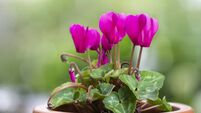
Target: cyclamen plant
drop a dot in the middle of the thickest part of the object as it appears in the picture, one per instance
(106, 85)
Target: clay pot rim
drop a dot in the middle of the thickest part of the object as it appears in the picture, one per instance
(182, 109)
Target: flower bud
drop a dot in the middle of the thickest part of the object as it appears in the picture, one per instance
(71, 72)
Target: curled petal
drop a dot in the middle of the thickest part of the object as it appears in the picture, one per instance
(105, 44)
(106, 23)
(84, 38)
(154, 26)
(132, 28)
(144, 25)
(112, 26)
(121, 25)
(149, 30)
(144, 21)
(79, 37)
(102, 58)
(94, 39)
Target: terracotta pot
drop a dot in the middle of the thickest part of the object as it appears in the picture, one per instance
(178, 108)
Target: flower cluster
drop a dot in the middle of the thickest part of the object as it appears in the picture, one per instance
(140, 29)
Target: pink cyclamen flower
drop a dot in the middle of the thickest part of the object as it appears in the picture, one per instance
(112, 26)
(102, 58)
(141, 29)
(84, 38)
(71, 72)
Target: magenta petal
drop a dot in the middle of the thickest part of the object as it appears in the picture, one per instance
(79, 37)
(94, 39)
(145, 26)
(106, 23)
(119, 31)
(152, 31)
(84, 38)
(112, 26)
(154, 26)
(71, 72)
(141, 29)
(105, 44)
(121, 24)
(149, 28)
(143, 21)
(102, 58)
(137, 76)
(132, 28)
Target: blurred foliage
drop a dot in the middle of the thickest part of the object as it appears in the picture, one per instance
(33, 34)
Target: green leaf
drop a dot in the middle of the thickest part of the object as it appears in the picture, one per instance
(100, 72)
(95, 94)
(63, 97)
(164, 105)
(86, 77)
(121, 102)
(148, 87)
(130, 81)
(116, 73)
(103, 90)
(112, 103)
(82, 95)
(107, 75)
(94, 63)
(127, 99)
(85, 73)
(65, 94)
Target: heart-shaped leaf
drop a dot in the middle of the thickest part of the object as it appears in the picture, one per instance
(121, 102)
(67, 93)
(85, 78)
(102, 90)
(100, 72)
(130, 81)
(148, 87)
(116, 73)
(164, 105)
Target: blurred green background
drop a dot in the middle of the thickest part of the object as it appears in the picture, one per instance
(33, 34)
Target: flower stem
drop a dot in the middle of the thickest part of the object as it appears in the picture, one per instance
(131, 60)
(149, 108)
(89, 98)
(110, 53)
(64, 59)
(139, 58)
(143, 105)
(118, 56)
(114, 57)
(100, 54)
(89, 59)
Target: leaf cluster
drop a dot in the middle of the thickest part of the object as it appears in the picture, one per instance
(105, 89)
